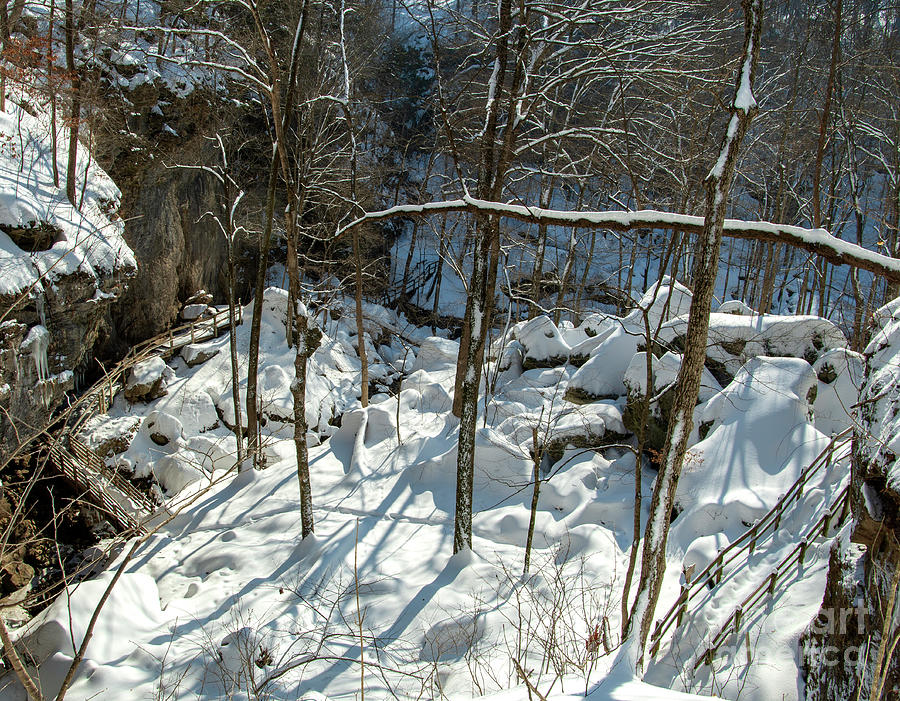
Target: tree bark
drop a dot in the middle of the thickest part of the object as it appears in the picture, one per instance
(253, 443)
(307, 341)
(706, 263)
(75, 114)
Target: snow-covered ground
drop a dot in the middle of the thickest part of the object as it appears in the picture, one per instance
(225, 600)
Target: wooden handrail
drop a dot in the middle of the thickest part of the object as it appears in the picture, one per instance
(78, 462)
(766, 588)
(748, 540)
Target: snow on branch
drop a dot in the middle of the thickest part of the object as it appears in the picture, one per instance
(817, 241)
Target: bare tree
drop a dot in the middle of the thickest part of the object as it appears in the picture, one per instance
(706, 267)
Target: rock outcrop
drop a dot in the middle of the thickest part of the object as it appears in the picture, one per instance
(54, 298)
(166, 204)
(851, 651)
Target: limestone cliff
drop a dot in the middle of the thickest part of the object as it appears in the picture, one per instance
(62, 266)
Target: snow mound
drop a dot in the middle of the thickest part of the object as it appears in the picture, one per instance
(662, 301)
(664, 371)
(147, 380)
(737, 307)
(840, 373)
(602, 376)
(760, 437)
(162, 428)
(543, 343)
(436, 353)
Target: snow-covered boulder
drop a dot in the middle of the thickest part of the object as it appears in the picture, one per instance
(176, 471)
(192, 312)
(162, 428)
(543, 343)
(701, 553)
(736, 307)
(840, 373)
(213, 454)
(197, 353)
(147, 380)
(274, 391)
(602, 376)
(663, 301)
(664, 373)
(734, 339)
(436, 354)
(108, 436)
(195, 410)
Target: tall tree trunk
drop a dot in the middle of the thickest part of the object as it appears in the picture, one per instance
(53, 137)
(706, 264)
(471, 379)
(75, 114)
(822, 267)
(360, 326)
(308, 339)
(438, 277)
(230, 203)
(253, 433)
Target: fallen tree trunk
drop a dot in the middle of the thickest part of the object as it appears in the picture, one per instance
(817, 241)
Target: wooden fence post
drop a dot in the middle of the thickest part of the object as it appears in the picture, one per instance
(845, 509)
(826, 524)
(682, 607)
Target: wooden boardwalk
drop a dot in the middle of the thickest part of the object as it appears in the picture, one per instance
(113, 493)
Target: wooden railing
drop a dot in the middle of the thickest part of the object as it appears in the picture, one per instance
(114, 494)
(99, 397)
(714, 573)
(425, 272)
(101, 485)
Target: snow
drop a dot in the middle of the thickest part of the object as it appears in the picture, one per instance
(734, 339)
(880, 395)
(227, 594)
(603, 374)
(840, 373)
(664, 372)
(88, 240)
(542, 340)
(147, 372)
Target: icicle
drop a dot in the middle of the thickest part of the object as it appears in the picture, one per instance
(40, 303)
(37, 342)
